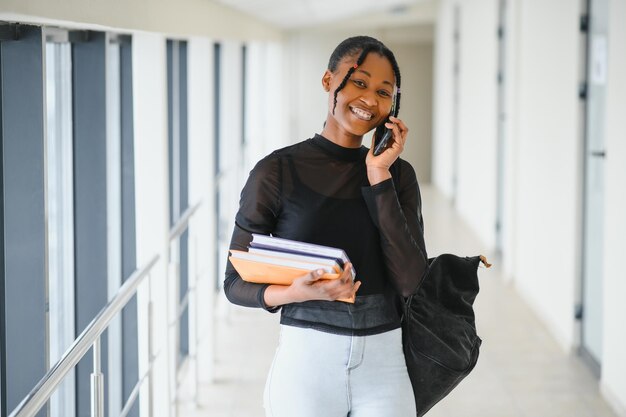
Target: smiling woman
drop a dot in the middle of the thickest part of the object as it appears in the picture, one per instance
(337, 358)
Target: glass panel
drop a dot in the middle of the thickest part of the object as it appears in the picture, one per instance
(60, 216)
(177, 146)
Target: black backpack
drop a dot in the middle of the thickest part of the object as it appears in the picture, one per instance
(438, 329)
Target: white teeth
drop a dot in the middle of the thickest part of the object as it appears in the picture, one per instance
(361, 114)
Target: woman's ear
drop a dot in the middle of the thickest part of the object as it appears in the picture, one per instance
(326, 79)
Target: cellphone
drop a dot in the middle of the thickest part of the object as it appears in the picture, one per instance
(381, 144)
(384, 134)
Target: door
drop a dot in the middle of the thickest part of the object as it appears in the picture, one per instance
(594, 157)
(456, 70)
(501, 124)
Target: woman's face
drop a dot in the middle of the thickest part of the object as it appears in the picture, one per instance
(365, 101)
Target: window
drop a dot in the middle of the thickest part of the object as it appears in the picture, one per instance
(23, 325)
(178, 179)
(122, 334)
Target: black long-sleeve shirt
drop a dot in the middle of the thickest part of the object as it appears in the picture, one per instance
(318, 192)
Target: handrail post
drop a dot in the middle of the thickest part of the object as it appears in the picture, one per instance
(193, 317)
(97, 382)
(150, 348)
(173, 344)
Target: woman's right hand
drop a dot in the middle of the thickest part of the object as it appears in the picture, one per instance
(313, 287)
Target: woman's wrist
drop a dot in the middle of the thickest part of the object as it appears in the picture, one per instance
(278, 295)
(377, 175)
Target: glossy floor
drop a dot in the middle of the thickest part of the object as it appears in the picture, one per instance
(521, 372)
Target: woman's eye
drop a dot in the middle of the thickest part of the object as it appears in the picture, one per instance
(384, 93)
(359, 83)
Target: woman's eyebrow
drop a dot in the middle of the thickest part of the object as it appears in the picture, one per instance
(370, 75)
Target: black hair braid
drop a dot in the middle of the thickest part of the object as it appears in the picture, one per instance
(359, 61)
(396, 70)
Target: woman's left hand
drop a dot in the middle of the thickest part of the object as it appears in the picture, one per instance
(378, 166)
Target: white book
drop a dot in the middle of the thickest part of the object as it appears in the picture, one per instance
(296, 257)
(280, 261)
(300, 248)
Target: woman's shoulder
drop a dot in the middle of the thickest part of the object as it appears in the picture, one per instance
(294, 148)
(274, 158)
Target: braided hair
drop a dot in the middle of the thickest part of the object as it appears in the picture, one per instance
(363, 45)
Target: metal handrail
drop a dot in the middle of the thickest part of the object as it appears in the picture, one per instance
(40, 394)
(174, 306)
(181, 224)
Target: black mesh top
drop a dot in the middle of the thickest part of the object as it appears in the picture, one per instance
(318, 192)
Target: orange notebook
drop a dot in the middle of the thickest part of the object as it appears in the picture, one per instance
(266, 273)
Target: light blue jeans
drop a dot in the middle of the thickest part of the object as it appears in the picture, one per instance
(320, 374)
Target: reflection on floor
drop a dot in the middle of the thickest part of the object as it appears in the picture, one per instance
(521, 372)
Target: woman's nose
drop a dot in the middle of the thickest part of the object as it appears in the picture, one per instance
(369, 98)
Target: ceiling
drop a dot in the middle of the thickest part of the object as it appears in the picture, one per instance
(296, 14)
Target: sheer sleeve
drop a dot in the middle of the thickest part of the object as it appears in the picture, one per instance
(259, 206)
(398, 217)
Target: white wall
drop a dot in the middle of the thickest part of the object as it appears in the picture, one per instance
(542, 206)
(511, 86)
(201, 189)
(614, 362)
(151, 199)
(475, 196)
(443, 100)
(307, 57)
(543, 196)
(416, 66)
(476, 193)
(266, 103)
(548, 187)
(231, 175)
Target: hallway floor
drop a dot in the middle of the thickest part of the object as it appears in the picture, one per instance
(521, 372)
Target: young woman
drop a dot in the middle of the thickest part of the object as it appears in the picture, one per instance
(338, 359)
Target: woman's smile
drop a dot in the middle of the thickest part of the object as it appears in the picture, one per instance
(361, 113)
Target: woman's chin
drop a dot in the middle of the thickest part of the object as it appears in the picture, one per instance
(359, 129)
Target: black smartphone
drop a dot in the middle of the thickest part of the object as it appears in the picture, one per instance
(380, 144)
(384, 134)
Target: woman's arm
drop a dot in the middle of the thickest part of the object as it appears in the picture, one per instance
(397, 213)
(259, 207)
(258, 212)
(309, 286)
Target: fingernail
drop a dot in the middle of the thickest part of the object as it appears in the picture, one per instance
(319, 272)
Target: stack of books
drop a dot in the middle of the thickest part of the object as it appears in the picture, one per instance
(273, 260)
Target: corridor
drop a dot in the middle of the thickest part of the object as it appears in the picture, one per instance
(522, 372)
(127, 136)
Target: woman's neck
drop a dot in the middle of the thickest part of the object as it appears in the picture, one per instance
(340, 136)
